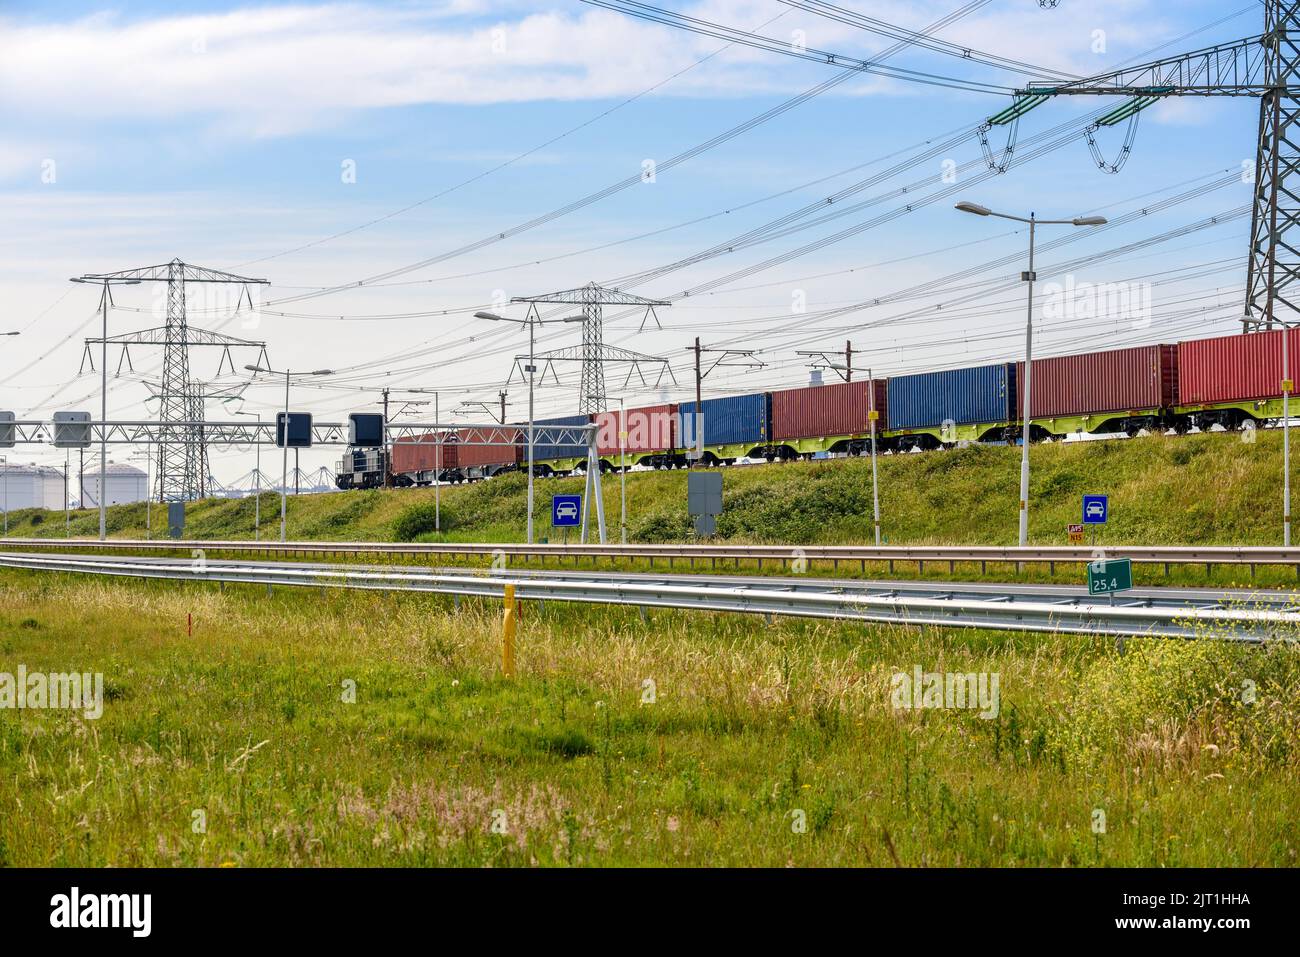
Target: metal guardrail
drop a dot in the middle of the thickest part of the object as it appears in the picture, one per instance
(1208, 555)
(897, 603)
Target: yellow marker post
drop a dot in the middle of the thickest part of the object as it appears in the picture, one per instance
(508, 634)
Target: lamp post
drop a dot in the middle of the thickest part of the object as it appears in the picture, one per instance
(872, 415)
(437, 470)
(67, 514)
(1028, 277)
(104, 299)
(5, 460)
(148, 498)
(257, 480)
(284, 468)
(532, 321)
(1287, 388)
(622, 469)
(437, 455)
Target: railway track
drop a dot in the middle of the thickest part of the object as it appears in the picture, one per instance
(1182, 613)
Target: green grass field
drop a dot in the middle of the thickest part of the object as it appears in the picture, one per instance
(763, 744)
(312, 726)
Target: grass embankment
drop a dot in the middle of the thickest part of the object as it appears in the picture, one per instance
(1201, 489)
(763, 744)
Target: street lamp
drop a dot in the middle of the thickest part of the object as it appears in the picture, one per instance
(67, 514)
(437, 458)
(257, 479)
(1028, 276)
(5, 460)
(284, 469)
(873, 416)
(532, 321)
(1287, 388)
(104, 299)
(622, 469)
(148, 497)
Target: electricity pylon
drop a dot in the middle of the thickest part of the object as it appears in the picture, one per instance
(182, 471)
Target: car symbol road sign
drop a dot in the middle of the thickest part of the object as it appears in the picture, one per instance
(566, 511)
(1095, 509)
(1107, 577)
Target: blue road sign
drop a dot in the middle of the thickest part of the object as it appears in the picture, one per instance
(566, 511)
(1095, 509)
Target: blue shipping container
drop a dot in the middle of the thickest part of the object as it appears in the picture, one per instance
(731, 420)
(543, 451)
(928, 399)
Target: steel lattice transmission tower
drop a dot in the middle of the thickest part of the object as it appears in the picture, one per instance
(1266, 66)
(594, 354)
(1275, 220)
(182, 453)
(196, 400)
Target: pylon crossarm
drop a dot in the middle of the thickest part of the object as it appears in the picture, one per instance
(1235, 68)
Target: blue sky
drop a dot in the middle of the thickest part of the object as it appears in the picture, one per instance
(220, 135)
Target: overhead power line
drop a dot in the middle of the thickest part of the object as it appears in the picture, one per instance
(881, 28)
(653, 14)
(630, 181)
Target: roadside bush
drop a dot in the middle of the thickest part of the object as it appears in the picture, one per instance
(662, 526)
(1166, 701)
(415, 521)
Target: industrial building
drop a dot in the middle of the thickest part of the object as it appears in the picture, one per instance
(125, 484)
(30, 486)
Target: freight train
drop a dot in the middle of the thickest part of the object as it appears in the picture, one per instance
(418, 460)
(1233, 382)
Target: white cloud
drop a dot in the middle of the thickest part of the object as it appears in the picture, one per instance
(281, 70)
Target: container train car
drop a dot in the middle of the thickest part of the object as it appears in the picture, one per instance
(419, 460)
(1232, 382)
(928, 409)
(1119, 390)
(827, 418)
(557, 458)
(738, 426)
(651, 436)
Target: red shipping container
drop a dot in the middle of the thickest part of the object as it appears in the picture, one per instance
(651, 428)
(417, 454)
(422, 454)
(1117, 380)
(817, 411)
(458, 453)
(1236, 368)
